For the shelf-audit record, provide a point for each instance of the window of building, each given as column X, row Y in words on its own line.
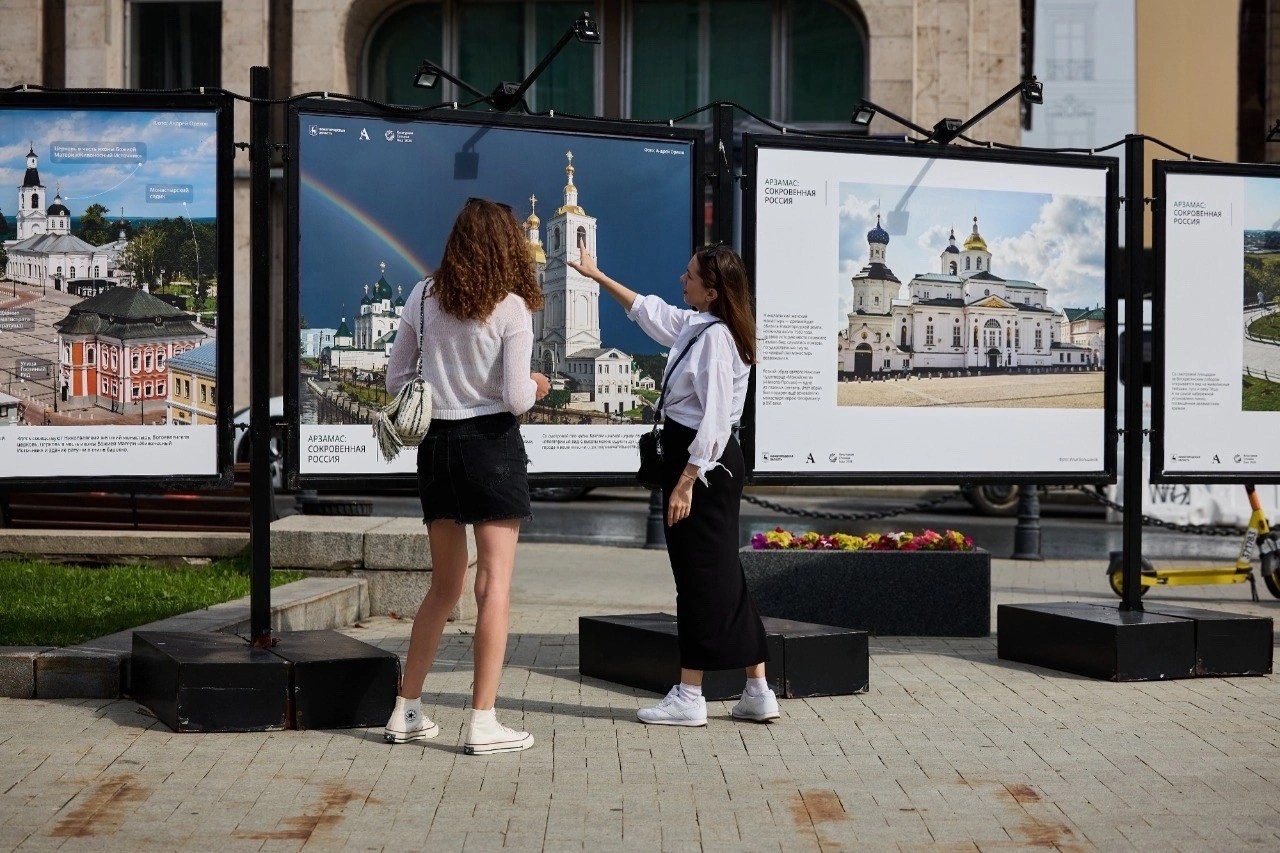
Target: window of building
column 146, row 360
column 1039, row 339
column 159, row 389
column 928, row 335
column 174, row 45
column 955, row 334
column 483, row 44
column 136, row 362
column 90, row 355
column 792, row 60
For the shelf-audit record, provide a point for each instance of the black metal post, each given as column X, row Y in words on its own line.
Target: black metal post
column 722, row 178
column 260, row 486
column 1134, row 205
column 1026, row 535
column 655, row 534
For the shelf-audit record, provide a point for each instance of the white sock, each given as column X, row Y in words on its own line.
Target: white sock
column 690, row 691
column 757, row 687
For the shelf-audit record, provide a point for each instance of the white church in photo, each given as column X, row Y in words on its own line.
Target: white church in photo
column 567, row 345
column 368, row 348
column 962, row 317
column 46, row 253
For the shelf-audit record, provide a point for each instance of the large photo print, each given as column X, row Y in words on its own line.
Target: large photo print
column 1219, row 244
column 932, row 313
column 110, row 292
column 376, row 198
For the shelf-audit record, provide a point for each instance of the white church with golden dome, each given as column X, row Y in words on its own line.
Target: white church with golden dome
column 963, row 316
column 567, row 346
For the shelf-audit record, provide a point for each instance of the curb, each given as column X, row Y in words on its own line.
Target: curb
column 99, row 668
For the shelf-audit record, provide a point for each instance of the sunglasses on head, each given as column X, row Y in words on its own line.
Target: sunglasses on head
column 475, row 199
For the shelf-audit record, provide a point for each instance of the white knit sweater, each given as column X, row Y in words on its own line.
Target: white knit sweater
column 473, row 367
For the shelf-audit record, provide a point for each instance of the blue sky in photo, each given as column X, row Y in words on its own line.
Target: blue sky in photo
column 1262, row 204
column 180, row 162
column 1056, row 241
column 369, row 201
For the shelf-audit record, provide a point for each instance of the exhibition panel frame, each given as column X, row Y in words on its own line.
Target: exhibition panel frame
column 1215, row 393
column 372, row 193
column 116, row 331
column 987, row 357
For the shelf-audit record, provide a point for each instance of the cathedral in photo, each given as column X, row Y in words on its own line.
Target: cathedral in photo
column 567, row 346
column 962, row 317
column 46, row 253
column 368, row 347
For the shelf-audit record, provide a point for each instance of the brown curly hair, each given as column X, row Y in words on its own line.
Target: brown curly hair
column 485, row 257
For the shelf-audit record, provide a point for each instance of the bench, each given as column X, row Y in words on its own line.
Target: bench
column 208, row 510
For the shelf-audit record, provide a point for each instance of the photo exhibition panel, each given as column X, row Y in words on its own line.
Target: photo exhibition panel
column 1218, row 242
column 375, row 199
column 929, row 313
column 112, row 263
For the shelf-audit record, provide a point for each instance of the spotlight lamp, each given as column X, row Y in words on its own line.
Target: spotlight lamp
column 585, row 29
column 429, row 74
column 1273, row 135
column 865, row 111
column 505, row 96
column 1031, row 90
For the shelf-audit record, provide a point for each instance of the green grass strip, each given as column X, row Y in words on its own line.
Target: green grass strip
column 1266, row 327
column 50, row 604
column 1259, row 395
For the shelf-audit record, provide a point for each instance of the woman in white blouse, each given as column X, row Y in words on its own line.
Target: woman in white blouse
column 704, row 470
column 475, row 322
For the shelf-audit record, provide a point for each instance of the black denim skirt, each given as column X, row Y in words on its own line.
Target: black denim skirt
column 474, row 470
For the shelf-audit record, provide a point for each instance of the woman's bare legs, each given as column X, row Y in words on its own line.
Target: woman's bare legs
column 496, row 552
column 448, row 574
column 693, row 677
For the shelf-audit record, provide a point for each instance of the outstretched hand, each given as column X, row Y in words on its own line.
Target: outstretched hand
column 586, row 264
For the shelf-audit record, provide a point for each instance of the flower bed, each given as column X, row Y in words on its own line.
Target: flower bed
column 896, row 584
column 927, row 540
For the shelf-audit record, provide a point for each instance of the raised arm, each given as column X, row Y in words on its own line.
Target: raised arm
column 587, row 266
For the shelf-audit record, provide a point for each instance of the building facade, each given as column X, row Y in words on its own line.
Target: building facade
column 961, row 317
column 193, row 386
column 114, row 350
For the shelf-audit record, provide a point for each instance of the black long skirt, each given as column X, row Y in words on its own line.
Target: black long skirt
column 718, row 623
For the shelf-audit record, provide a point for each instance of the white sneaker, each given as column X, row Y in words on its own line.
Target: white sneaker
column 674, row 711
column 487, row 736
column 409, row 723
column 762, row 708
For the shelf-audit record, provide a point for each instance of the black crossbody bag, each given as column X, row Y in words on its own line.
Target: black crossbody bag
column 650, row 473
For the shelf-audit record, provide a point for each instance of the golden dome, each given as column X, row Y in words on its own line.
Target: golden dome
column 974, row 242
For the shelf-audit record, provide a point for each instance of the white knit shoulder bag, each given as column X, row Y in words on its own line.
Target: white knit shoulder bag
column 404, row 421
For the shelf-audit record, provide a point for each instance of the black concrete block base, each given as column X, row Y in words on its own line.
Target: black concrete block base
column 337, row 682
column 641, row 650
column 209, row 682
column 1160, row 642
column 1226, row 643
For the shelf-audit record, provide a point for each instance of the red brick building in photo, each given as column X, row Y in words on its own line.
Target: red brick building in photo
column 114, row 349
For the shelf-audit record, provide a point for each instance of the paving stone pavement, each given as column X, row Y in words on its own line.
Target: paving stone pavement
column 951, row 749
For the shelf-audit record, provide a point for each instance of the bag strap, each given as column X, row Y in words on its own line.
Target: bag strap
column 422, row 314
column 657, row 411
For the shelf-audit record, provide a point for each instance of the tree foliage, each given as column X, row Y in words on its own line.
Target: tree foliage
column 182, row 248
column 1261, row 275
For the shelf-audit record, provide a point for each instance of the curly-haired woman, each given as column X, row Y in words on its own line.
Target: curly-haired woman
column 472, row 467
